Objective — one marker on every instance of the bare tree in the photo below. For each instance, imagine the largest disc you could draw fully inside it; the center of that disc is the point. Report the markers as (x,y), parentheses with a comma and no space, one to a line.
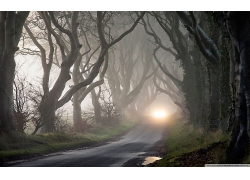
(21,109)
(169,23)
(53,98)
(129,63)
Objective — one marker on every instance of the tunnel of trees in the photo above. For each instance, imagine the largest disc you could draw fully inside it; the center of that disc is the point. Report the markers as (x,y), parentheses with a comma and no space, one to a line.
(123,61)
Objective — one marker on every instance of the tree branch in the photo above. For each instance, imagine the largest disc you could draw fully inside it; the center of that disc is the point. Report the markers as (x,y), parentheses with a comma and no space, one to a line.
(176,81)
(89,89)
(206,45)
(104,48)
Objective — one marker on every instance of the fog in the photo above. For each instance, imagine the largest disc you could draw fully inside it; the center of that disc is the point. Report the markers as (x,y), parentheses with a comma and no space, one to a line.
(133,81)
(137,88)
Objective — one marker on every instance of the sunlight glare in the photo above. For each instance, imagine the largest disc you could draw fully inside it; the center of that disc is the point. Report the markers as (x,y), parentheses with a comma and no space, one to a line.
(159,114)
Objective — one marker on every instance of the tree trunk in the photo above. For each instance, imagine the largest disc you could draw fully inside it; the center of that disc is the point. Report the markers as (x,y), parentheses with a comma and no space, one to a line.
(11,25)
(238,24)
(77,113)
(215,106)
(48,111)
(7,69)
(244,100)
(234,83)
(97,107)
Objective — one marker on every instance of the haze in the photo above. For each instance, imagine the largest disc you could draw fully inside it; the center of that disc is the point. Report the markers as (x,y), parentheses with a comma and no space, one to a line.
(124,88)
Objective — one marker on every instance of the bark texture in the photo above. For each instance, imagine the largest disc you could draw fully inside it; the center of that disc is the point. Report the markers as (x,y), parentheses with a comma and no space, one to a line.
(11,25)
(238,24)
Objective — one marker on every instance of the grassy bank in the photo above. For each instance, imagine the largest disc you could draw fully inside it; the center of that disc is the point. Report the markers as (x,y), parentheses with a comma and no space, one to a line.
(190,146)
(15,146)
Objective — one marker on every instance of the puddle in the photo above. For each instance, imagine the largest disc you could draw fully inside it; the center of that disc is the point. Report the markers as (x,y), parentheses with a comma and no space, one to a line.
(150,159)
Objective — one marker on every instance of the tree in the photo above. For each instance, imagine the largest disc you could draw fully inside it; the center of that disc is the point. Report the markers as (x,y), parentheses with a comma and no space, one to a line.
(11,25)
(21,109)
(211,52)
(180,50)
(130,67)
(27,98)
(146,97)
(238,26)
(52,98)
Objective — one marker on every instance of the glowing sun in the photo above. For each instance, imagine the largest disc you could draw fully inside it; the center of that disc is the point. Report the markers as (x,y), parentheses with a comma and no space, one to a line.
(160,114)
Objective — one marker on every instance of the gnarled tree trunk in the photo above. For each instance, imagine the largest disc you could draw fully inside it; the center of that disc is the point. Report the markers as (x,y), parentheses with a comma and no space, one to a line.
(238,24)
(11,25)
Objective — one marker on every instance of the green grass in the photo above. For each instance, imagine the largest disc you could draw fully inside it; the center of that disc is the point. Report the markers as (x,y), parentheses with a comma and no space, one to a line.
(184,138)
(16,145)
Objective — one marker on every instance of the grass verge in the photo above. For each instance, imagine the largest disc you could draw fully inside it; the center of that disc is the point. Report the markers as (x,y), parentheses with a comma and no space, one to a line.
(190,146)
(15,146)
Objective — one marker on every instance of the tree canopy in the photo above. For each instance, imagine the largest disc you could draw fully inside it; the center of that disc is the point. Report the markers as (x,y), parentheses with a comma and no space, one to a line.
(196,62)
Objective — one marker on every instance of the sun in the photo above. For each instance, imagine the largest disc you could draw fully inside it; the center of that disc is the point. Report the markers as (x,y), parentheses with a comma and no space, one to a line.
(160,114)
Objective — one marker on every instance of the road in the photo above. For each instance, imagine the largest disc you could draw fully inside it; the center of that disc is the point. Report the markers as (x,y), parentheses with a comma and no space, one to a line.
(136,143)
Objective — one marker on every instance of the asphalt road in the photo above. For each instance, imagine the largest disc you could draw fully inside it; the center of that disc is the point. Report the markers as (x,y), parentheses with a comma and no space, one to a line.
(134,144)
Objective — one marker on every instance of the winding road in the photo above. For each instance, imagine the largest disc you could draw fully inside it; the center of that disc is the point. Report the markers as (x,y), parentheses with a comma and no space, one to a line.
(136,143)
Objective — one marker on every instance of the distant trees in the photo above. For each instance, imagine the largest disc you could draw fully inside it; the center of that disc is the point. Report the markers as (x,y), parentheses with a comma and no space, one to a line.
(147,96)
(130,67)
(169,23)
(65,29)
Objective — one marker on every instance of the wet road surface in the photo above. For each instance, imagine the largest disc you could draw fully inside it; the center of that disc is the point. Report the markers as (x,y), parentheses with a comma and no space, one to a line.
(135,143)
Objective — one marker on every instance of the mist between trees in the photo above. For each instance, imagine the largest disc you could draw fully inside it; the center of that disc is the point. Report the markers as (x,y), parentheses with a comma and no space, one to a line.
(124,62)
